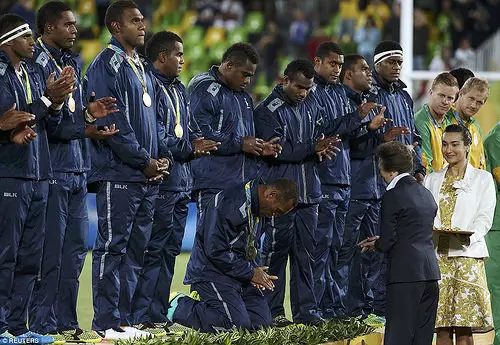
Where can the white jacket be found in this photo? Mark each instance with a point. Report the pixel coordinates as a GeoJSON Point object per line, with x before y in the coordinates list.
{"type": "Point", "coordinates": [474, 209]}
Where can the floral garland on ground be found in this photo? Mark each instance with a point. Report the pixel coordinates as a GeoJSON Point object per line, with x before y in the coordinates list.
{"type": "Point", "coordinates": [330, 331]}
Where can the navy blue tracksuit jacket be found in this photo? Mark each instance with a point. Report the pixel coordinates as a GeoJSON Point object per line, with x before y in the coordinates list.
{"type": "Point", "coordinates": [224, 116]}
{"type": "Point", "coordinates": [151, 299]}
{"type": "Point", "coordinates": [65, 247]}
{"type": "Point", "coordinates": [125, 200]}
{"type": "Point", "coordinates": [298, 126]}
{"type": "Point", "coordinates": [24, 174]}
{"type": "Point", "coordinates": [219, 270]}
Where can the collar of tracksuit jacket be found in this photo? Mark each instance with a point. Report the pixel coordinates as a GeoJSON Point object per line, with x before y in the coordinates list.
{"type": "Point", "coordinates": [378, 81]}
{"type": "Point", "coordinates": [63, 57]}
{"type": "Point", "coordinates": [164, 79]}
{"type": "Point", "coordinates": [280, 92]}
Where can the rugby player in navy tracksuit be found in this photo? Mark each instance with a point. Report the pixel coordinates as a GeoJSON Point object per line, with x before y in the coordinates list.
{"type": "Point", "coordinates": [165, 51]}
{"type": "Point", "coordinates": [289, 114]}
{"type": "Point", "coordinates": [224, 266]}
{"type": "Point", "coordinates": [335, 175]}
{"type": "Point", "coordinates": [53, 306]}
{"type": "Point", "coordinates": [24, 174]}
{"type": "Point", "coordinates": [224, 113]}
{"type": "Point", "coordinates": [123, 167]}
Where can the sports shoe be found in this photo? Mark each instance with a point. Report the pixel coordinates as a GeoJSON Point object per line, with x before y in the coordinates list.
{"type": "Point", "coordinates": [122, 333]}
{"type": "Point", "coordinates": [58, 338]}
{"type": "Point", "coordinates": [281, 321]}
{"type": "Point", "coordinates": [81, 336]}
{"type": "Point", "coordinates": [156, 331]}
{"type": "Point", "coordinates": [176, 329]}
{"type": "Point", "coordinates": [137, 334]}
{"type": "Point", "coordinates": [6, 338]}
{"type": "Point", "coordinates": [33, 338]}
{"type": "Point", "coordinates": [375, 321]}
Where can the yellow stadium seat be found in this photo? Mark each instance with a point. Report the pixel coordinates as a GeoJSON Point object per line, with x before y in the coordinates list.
{"type": "Point", "coordinates": [90, 49]}
{"type": "Point", "coordinates": [188, 20]}
{"type": "Point", "coordinates": [214, 36]}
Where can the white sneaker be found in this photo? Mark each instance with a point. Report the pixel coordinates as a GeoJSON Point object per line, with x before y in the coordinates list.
{"type": "Point", "coordinates": [136, 333]}
{"type": "Point", "coordinates": [116, 333]}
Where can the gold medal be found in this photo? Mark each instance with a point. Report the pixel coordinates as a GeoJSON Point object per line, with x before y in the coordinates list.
{"type": "Point", "coordinates": [71, 104]}
{"type": "Point", "coordinates": [252, 252]}
{"type": "Point", "coordinates": [146, 99]}
{"type": "Point", "coordinates": [178, 131]}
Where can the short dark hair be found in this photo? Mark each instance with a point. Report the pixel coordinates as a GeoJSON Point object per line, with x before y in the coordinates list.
{"type": "Point", "coordinates": [456, 128]}
{"type": "Point", "coordinates": [325, 48]}
{"type": "Point", "coordinates": [395, 156]}
{"type": "Point", "coordinates": [240, 53]}
{"type": "Point", "coordinates": [462, 74]}
{"type": "Point", "coordinates": [10, 21]}
{"type": "Point", "coordinates": [162, 41]}
{"type": "Point", "coordinates": [288, 189]}
{"type": "Point", "coordinates": [299, 66]}
{"type": "Point", "coordinates": [114, 13]}
{"type": "Point", "coordinates": [49, 13]}
{"type": "Point", "coordinates": [349, 62]}
{"type": "Point", "coordinates": [445, 78]}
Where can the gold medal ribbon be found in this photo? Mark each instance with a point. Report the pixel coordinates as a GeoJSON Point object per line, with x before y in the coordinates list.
{"type": "Point", "coordinates": [177, 105]}
{"type": "Point", "coordinates": [25, 83]}
{"type": "Point", "coordinates": [252, 224]}
{"type": "Point", "coordinates": [141, 75]}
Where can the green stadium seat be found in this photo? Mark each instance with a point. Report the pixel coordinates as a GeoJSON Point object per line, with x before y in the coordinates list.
{"type": "Point", "coordinates": [254, 22]}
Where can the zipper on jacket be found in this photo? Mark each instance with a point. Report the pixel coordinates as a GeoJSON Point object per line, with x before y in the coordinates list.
{"type": "Point", "coordinates": [302, 167]}
{"type": "Point", "coordinates": [242, 124]}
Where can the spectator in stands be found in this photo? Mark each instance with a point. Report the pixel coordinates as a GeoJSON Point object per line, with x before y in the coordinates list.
{"type": "Point", "coordinates": [471, 98]}
{"type": "Point", "coordinates": [231, 14]}
{"type": "Point", "coordinates": [269, 46]}
{"type": "Point", "coordinates": [465, 55]}
{"type": "Point", "coordinates": [298, 34]}
{"type": "Point", "coordinates": [432, 119]}
{"type": "Point", "coordinates": [406, 222]}
{"type": "Point", "coordinates": [442, 60]}
{"type": "Point", "coordinates": [379, 11]}
{"type": "Point", "coordinates": [466, 199]}
{"type": "Point", "coordinates": [207, 12]}
{"type": "Point", "coordinates": [166, 52]}
{"type": "Point", "coordinates": [420, 40]}
{"type": "Point", "coordinates": [124, 169]}
{"type": "Point", "coordinates": [392, 27]}
{"type": "Point", "coordinates": [349, 13]}
{"type": "Point", "coordinates": [224, 268]}
{"type": "Point", "coordinates": [24, 175]}
{"type": "Point", "coordinates": [492, 150]}
{"type": "Point", "coordinates": [367, 37]}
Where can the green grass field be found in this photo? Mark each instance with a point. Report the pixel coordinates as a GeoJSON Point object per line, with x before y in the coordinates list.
{"type": "Point", "coordinates": [85, 309]}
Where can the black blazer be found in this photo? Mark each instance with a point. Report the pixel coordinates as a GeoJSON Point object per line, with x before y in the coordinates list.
{"type": "Point", "coordinates": [406, 223]}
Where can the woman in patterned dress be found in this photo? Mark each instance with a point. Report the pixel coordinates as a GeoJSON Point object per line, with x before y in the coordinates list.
{"type": "Point", "coordinates": [466, 199]}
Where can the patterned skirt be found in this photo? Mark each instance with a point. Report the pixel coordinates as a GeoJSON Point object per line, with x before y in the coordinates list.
{"type": "Point", "coordinates": [464, 299]}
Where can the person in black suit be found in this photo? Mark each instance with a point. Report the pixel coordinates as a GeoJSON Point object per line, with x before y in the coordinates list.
{"type": "Point", "coordinates": [406, 223]}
